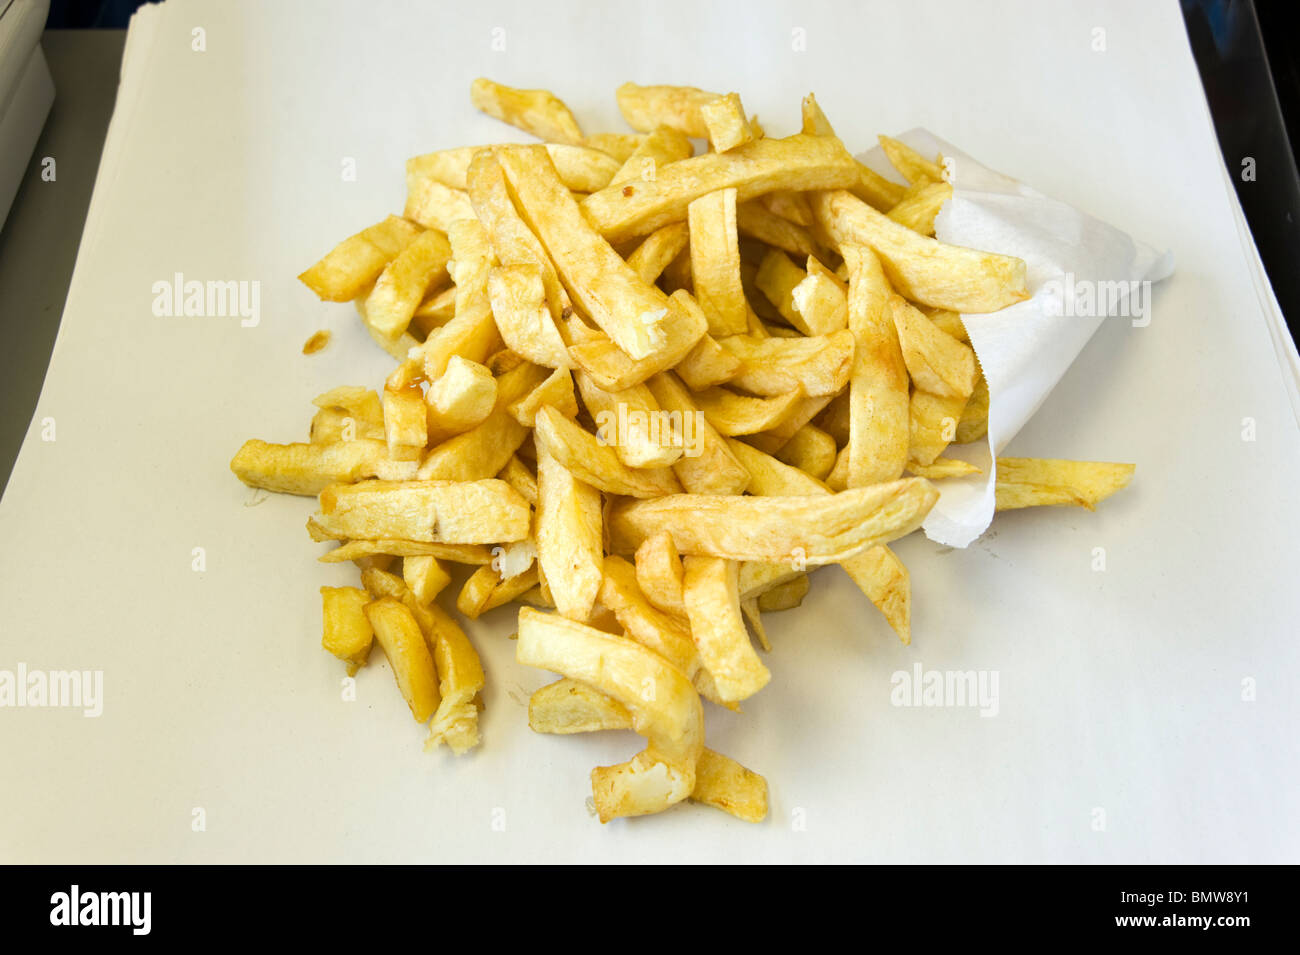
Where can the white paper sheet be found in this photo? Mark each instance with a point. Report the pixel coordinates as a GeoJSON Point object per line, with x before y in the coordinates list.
{"type": "Point", "coordinates": [1145, 710]}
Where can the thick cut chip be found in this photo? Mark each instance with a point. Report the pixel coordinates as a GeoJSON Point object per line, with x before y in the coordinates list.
{"type": "Point", "coordinates": [646, 108]}
{"type": "Point", "coordinates": [878, 438]}
{"type": "Point", "coordinates": [659, 573]}
{"type": "Point", "coordinates": [724, 784]}
{"type": "Point", "coordinates": [403, 642]}
{"type": "Point", "coordinates": [708, 363]}
{"type": "Point", "coordinates": [399, 347]}
{"type": "Point", "coordinates": [523, 317]}
{"type": "Point", "coordinates": [484, 450]}
{"type": "Point", "coordinates": [777, 278]}
{"type": "Point", "coordinates": [949, 322]}
{"type": "Point", "coordinates": [710, 590]}
{"type": "Point", "coordinates": [725, 122]}
{"type": "Point", "coordinates": [882, 577]}
{"type": "Point", "coordinates": [871, 186]}
{"type": "Point", "coordinates": [424, 576]}
{"type": "Point", "coordinates": [460, 399]}
{"type": "Point", "coordinates": [472, 333]}
{"type": "Point", "coordinates": [570, 541]}
{"type": "Point", "coordinates": [473, 554]}
{"type": "Point", "coordinates": [512, 240]}
{"type": "Point", "coordinates": [460, 678]}
{"type": "Point", "coordinates": [485, 590]}
{"type": "Point", "coordinates": [471, 512]}
{"type": "Point", "coordinates": [405, 420]}
{"type": "Point", "coordinates": [933, 423]}
{"type": "Point", "coordinates": [581, 168]}
{"type": "Point", "coordinates": [875, 190]}
{"type": "Point", "coordinates": [877, 572]}
{"type": "Point", "coordinates": [715, 262]}
{"type": "Point", "coordinates": [809, 530]}
{"type": "Point", "coordinates": [918, 208]}
{"type": "Point", "coordinates": [731, 413]}
{"type": "Point", "coordinates": [812, 451]}
{"type": "Point", "coordinates": [631, 421]}
{"type": "Point", "coordinates": [583, 454]}
{"type": "Point", "coordinates": [405, 281]}
{"type": "Point", "coordinates": [660, 247]}
{"type": "Point", "coordinates": [556, 391]}
{"type": "Point", "coordinates": [936, 361]}
{"type": "Point", "coordinates": [911, 165]}
{"type": "Point", "coordinates": [974, 423]}
{"type": "Point", "coordinates": [706, 465]}
{"type": "Point", "coordinates": [435, 206]}
{"type": "Point", "coordinates": [353, 265]}
{"type": "Point", "coordinates": [308, 469]}
{"type": "Point", "coordinates": [756, 221]}
{"type": "Point", "coordinates": [922, 269]}
{"type": "Point", "coordinates": [658, 148]}
{"type": "Point", "coordinates": [665, 709]}
{"type": "Point", "coordinates": [775, 439]}
{"type": "Point", "coordinates": [611, 367]}
{"type": "Point", "coordinates": [815, 122]}
{"type": "Point", "coordinates": [818, 366]}
{"type": "Point", "coordinates": [820, 302]}
{"type": "Point", "coordinates": [789, 205]}
{"type": "Point", "coordinates": [538, 112]}
{"type": "Point", "coordinates": [346, 632]}
{"type": "Point", "coordinates": [630, 311]}
{"type": "Point", "coordinates": [434, 312]}
{"type": "Point", "coordinates": [567, 706]}
{"type": "Point", "coordinates": [942, 468]}
{"type": "Point", "coordinates": [665, 634]}
{"type": "Point", "coordinates": [1026, 482]}
{"type": "Point", "coordinates": [798, 162]}
{"type": "Point", "coordinates": [520, 477]}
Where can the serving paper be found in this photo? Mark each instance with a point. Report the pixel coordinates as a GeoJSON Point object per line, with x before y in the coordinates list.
{"type": "Point", "coordinates": [1080, 272]}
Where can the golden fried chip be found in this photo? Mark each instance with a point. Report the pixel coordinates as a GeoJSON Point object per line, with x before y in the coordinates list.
{"type": "Point", "coordinates": [715, 262]}
{"type": "Point", "coordinates": [570, 545]}
{"type": "Point", "coordinates": [353, 265]}
{"type": "Point", "coordinates": [798, 162]}
{"type": "Point", "coordinates": [710, 590]}
{"type": "Point", "coordinates": [470, 512]}
{"type": "Point", "coordinates": [922, 269]}
{"type": "Point", "coordinates": [408, 655]}
{"type": "Point", "coordinates": [807, 530]}
{"type": "Point", "coordinates": [346, 632]}
{"type": "Point", "coordinates": [538, 112]}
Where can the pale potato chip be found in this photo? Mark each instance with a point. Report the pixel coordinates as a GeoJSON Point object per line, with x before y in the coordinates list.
{"type": "Point", "coordinates": [725, 122]}
{"type": "Point", "coordinates": [715, 262]}
{"type": "Point", "coordinates": [354, 264]}
{"type": "Point", "coordinates": [468, 512]}
{"type": "Point", "coordinates": [802, 530]}
{"type": "Point", "coordinates": [539, 112]}
{"type": "Point", "coordinates": [570, 526]}
{"type": "Point", "coordinates": [922, 269]}
{"type": "Point", "coordinates": [710, 590]}
{"type": "Point", "coordinates": [408, 655]}
{"type": "Point", "coordinates": [661, 146]}
{"type": "Point", "coordinates": [798, 162]}
{"type": "Point", "coordinates": [346, 631]}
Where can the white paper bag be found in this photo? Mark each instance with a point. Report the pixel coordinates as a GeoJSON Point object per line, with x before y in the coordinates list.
{"type": "Point", "coordinates": [1080, 271]}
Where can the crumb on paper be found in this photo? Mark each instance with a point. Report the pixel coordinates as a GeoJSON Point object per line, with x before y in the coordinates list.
{"type": "Point", "coordinates": [316, 342]}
